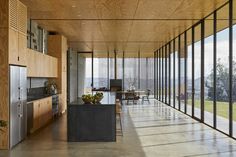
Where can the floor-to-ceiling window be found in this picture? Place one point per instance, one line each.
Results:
(209, 71)
(100, 61)
(85, 73)
(163, 74)
(206, 59)
(143, 72)
(197, 71)
(131, 71)
(167, 74)
(182, 73)
(150, 75)
(119, 65)
(172, 76)
(189, 72)
(176, 73)
(111, 65)
(160, 74)
(222, 70)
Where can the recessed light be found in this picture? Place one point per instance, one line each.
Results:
(78, 15)
(73, 6)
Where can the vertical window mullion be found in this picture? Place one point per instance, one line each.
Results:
(202, 69)
(179, 72)
(214, 73)
(166, 74)
(230, 66)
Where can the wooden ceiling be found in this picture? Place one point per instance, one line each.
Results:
(124, 25)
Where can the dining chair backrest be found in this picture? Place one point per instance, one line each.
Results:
(148, 92)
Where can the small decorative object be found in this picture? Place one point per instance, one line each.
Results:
(51, 87)
(3, 124)
(92, 99)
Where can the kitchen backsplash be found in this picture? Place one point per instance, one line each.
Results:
(36, 82)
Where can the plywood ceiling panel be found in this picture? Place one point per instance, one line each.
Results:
(124, 25)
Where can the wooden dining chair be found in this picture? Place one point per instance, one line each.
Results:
(118, 114)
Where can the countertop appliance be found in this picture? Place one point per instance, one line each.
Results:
(18, 104)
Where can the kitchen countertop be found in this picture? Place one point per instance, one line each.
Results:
(37, 97)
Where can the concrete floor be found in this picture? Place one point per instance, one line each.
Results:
(150, 130)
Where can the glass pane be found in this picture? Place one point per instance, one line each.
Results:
(209, 71)
(189, 72)
(85, 73)
(172, 77)
(176, 74)
(131, 71)
(167, 74)
(144, 73)
(111, 65)
(182, 74)
(119, 62)
(100, 77)
(150, 76)
(197, 71)
(222, 70)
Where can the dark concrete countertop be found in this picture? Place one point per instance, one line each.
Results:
(108, 99)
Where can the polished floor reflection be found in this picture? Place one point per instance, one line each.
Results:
(150, 130)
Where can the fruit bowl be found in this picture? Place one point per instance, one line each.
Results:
(95, 99)
(87, 99)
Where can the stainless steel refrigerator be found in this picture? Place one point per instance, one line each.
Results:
(18, 104)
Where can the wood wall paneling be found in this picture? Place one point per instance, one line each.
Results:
(13, 46)
(4, 82)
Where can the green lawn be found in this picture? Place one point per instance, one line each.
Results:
(222, 108)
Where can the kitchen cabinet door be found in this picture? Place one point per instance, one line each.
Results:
(36, 116)
(22, 48)
(13, 47)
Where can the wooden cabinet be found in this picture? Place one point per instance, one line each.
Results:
(42, 113)
(57, 47)
(41, 65)
(17, 32)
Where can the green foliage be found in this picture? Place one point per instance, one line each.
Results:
(222, 82)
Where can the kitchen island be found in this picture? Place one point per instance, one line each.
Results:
(92, 122)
